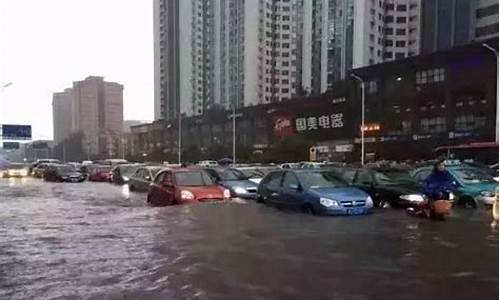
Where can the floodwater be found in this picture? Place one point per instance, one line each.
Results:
(98, 241)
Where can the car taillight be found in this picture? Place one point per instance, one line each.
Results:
(227, 194)
(187, 195)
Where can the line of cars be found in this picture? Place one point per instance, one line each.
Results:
(323, 188)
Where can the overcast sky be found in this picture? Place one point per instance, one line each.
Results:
(45, 45)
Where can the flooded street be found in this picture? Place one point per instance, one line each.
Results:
(98, 241)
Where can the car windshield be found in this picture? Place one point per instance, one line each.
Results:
(155, 171)
(66, 169)
(317, 180)
(195, 178)
(104, 169)
(393, 176)
(473, 175)
(252, 173)
(127, 170)
(231, 174)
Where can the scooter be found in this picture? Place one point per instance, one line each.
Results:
(434, 210)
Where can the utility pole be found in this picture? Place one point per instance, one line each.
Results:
(234, 133)
(179, 143)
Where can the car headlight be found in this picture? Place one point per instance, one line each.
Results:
(239, 190)
(451, 196)
(487, 194)
(413, 198)
(369, 202)
(24, 173)
(187, 195)
(125, 178)
(328, 202)
(226, 194)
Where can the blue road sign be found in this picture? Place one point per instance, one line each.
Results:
(16, 132)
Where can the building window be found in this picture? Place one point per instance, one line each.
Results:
(429, 76)
(388, 55)
(286, 27)
(389, 43)
(487, 11)
(285, 45)
(400, 43)
(285, 36)
(487, 30)
(401, 20)
(401, 7)
(433, 125)
(284, 72)
(286, 18)
(469, 122)
(389, 19)
(389, 6)
(284, 91)
(389, 31)
(400, 55)
(285, 64)
(400, 31)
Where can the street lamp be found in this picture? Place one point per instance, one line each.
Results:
(179, 144)
(496, 80)
(234, 116)
(362, 116)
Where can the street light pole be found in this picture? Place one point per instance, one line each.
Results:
(234, 133)
(496, 92)
(362, 117)
(179, 143)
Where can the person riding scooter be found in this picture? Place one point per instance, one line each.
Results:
(437, 186)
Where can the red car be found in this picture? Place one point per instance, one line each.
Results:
(101, 173)
(185, 186)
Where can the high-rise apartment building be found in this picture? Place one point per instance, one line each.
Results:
(486, 20)
(97, 112)
(385, 30)
(446, 24)
(62, 114)
(222, 53)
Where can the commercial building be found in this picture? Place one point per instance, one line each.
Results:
(97, 112)
(486, 15)
(416, 104)
(62, 114)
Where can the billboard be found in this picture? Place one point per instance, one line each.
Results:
(16, 132)
(10, 145)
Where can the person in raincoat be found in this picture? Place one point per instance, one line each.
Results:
(439, 183)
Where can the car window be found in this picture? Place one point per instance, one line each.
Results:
(159, 178)
(290, 181)
(275, 179)
(382, 179)
(472, 175)
(138, 173)
(325, 179)
(213, 174)
(348, 175)
(168, 178)
(363, 177)
(193, 178)
(421, 176)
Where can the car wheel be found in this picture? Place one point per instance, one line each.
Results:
(469, 202)
(131, 188)
(260, 199)
(308, 210)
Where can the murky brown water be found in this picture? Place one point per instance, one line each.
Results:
(97, 241)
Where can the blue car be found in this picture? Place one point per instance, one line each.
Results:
(313, 191)
(235, 181)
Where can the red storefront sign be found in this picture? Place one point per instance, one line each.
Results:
(283, 126)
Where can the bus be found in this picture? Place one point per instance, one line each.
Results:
(484, 152)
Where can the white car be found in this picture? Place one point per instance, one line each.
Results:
(208, 163)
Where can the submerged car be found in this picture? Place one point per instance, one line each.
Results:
(474, 186)
(185, 186)
(62, 173)
(238, 184)
(392, 186)
(314, 192)
(120, 174)
(15, 170)
(142, 178)
(99, 173)
(255, 174)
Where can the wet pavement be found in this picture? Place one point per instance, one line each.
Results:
(98, 241)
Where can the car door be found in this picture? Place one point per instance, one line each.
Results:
(273, 188)
(154, 189)
(168, 188)
(364, 180)
(290, 195)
